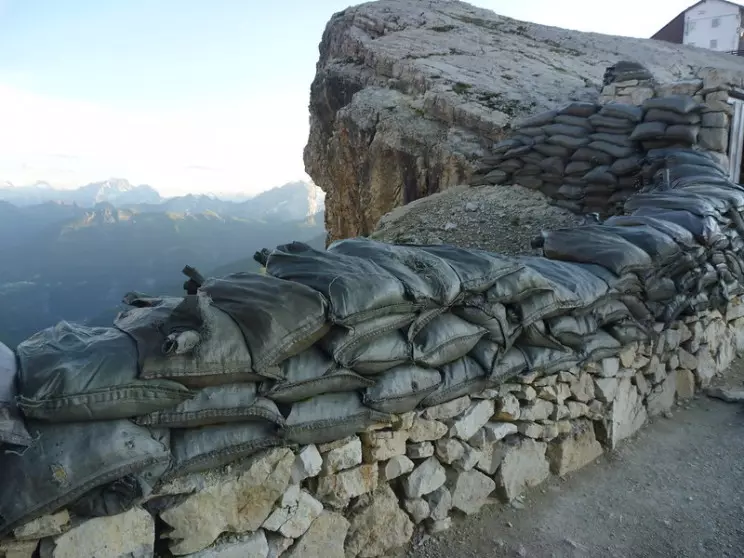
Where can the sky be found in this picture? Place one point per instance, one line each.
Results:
(193, 95)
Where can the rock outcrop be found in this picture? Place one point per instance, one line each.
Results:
(409, 94)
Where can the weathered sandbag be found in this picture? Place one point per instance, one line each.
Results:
(517, 286)
(670, 117)
(357, 289)
(71, 372)
(401, 389)
(704, 229)
(478, 270)
(678, 200)
(210, 447)
(599, 345)
(660, 289)
(648, 131)
(681, 104)
(625, 283)
(462, 377)
(12, 429)
(623, 111)
(618, 139)
(628, 332)
(370, 347)
(660, 246)
(592, 245)
(312, 373)
(627, 166)
(427, 278)
(278, 318)
(551, 150)
(445, 339)
(600, 120)
(569, 142)
(566, 130)
(614, 151)
(546, 361)
(576, 168)
(682, 132)
(681, 235)
(491, 316)
(577, 109)
(330, 417)
(538, 335)
(217, 405)
(69, 459)
(608, 311)
(537, 120)
(593, 156)
(733, 197)
(498, 365)
(570, 330)
(601, 175)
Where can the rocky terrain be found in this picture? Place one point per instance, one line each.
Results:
(409, 94)
(500, 219)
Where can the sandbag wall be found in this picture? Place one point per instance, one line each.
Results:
(591, 157)
(351, 398)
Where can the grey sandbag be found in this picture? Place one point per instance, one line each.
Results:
(401, 389)
(682, 132)
(681, 235)
(278, 318)
(370, 347)
(462, 377)
(312, 373)
(570, 330)
(614, 151)
(478, 270)
(569, 142)
(705, 230)
(537, 120)
(546, 361)
(445, 339)
(601, 175)
(670, 117)
(627, 166)
(518, 286)
(427, 278)
(623, 111)
(660, 246)
(648, 131)
(216, 405)
(538, 335)
(566, 130)
(593, 156)
(12, 429)
(329, 417)
(627, 332)
(499, 365)
(679, 200)
(618, 139)
(357, 289)
(600, 345)
(210, 447)
(609, 311)
(66, 461)
(489, 315)
(577, 109)
(592, 245)
(214, 353)
(71, 372)
(602, 121)
(681, 104)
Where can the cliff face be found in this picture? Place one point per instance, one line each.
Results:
(409, 94)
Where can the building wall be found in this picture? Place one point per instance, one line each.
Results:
(700, 30)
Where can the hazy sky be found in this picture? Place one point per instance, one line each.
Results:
(193, 95)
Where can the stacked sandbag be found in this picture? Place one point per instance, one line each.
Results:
(13, 432)
(589, 157)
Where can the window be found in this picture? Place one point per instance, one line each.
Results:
(713, 43)
(715, 22)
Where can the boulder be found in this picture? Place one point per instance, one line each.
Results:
(575, 450)
(324, 539)
(523, 466)
(377, 525)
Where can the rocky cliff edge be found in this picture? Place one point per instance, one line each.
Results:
(409, 94)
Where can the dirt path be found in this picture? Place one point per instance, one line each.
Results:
(674, 491)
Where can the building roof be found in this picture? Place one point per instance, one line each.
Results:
(673, 32)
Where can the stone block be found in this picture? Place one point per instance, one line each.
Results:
(472, 420)
(46, 526)
(377, 525)
(425, 478)
(421, 450)
(440, 503)
(248, 545)
(307, 464)
(294, 513)
(574, 451)
(424, 430)
(324, 539)
(470, 490)
(715, 139)
(381, 446)
(417, 508)
(396, 467)
(685, 384)
(448, 410)
(344, 456)
(524, 466)
(338, 489)
(624, 416)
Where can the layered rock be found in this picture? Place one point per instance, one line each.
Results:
(408, 95)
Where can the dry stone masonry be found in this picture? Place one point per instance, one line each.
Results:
(352, 400)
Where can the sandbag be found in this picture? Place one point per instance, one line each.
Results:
(371, 347)
(210, 447)
(590, 244)
(217, 405)
(570, 330)
(462, 377)
(566, 130)
(622, 111)
(401, 389)
(538, 335)
(12, 429)
(629, 331)
(601, 175)
(648, 131)
(681, 235)
(445, 339)
(357, 289)
(491, 316)
(312, 373)
(680, 104)
(670, 117)
(278, 318)
(330, 417)
(704, 229)
(518, 286)
(546, 361)
(655, 243)
(68, 460)
(599, 345)
(682, 132)
(678, 200)
(427, 278)
(71, 372)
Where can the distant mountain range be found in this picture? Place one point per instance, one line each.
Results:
(62, 260)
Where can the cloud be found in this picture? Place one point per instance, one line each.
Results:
(240, 147)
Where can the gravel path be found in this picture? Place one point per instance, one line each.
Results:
(675, 491)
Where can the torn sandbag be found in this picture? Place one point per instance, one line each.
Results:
(461, 377)
(357, 289)
(68, 460)
(428, 279)
(593, 245)
(312, 373)
(370, 347)
(278, 318)
(401, 389)
(445, 339)
(71, 372)
(12, 428)
(216, 353)
(498, 365)
(210, 447)
(330, 417)
(216, 405)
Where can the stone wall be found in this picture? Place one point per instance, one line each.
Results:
(590, 157)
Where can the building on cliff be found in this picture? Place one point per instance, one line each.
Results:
(713, 24)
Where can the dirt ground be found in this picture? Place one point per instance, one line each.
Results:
(676, 490)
